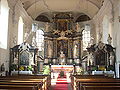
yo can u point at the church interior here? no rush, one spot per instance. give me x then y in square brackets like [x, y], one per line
[59, 44]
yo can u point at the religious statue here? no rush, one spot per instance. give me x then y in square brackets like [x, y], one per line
[101, 45]
[75, 51]
[14, 40]
[90, 59]
[92, 41]
[15, 59]
[26, 35]
[109, 39]
[62, 58]
[47, 27]
[111, 58]
[34, 43]
[77, 27]
[50, 50]
[62, 34]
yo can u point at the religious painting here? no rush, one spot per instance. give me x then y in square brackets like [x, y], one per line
[100, 57]
[24, 58]
[62, 45]
[50, 49]
[62, 25]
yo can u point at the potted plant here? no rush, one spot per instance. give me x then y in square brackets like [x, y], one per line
[13, 67]
[46, 70]
[61, 73]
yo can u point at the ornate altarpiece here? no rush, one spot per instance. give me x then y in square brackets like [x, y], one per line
[101, 57]
[23, 57]
[65, 39]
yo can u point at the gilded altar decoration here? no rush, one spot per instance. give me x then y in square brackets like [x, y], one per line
[63, 40]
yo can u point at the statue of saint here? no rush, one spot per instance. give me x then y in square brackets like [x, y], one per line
[75, 51]
[109, 39]
[62, 58]
[50, 50]
[111, 58]
[47, 27]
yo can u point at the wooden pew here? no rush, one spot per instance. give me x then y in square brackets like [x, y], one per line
[74, 77]
[41, 82]
[100, 86]
[18, 87]
[95, 82]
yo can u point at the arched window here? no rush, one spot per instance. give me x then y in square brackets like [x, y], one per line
[40, 40]
[4, 13]
[105, 28]
[86, 36]
[20, 30]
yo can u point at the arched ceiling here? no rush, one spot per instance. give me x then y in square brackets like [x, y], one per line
[50, 7]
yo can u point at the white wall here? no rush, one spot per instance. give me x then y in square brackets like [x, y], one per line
[116, 33]
[110, 11]
[16, 10]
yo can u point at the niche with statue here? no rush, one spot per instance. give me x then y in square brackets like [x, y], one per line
[23, 57]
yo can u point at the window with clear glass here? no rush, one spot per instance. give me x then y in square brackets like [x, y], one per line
[86, 37]
[40, 41]
[20, 30]
[4, 14]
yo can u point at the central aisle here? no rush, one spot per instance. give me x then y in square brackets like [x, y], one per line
[61, 84]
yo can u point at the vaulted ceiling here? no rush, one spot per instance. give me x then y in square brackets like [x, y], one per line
[50, 7]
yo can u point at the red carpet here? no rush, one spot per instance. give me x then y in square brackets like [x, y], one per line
[61, 84]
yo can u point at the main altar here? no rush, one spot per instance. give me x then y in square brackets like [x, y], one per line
[62, 41]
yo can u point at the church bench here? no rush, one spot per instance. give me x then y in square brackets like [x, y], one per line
[81, 84]
[74, 77]
[80, 81]
[17, 83]
[44, 81]
[99, 86]
[18, 87]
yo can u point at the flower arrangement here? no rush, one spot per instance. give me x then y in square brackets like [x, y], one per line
[46, 70]
[80, 71]
[21, 68]
[29, 68]
[13, 67]
[61, 73]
